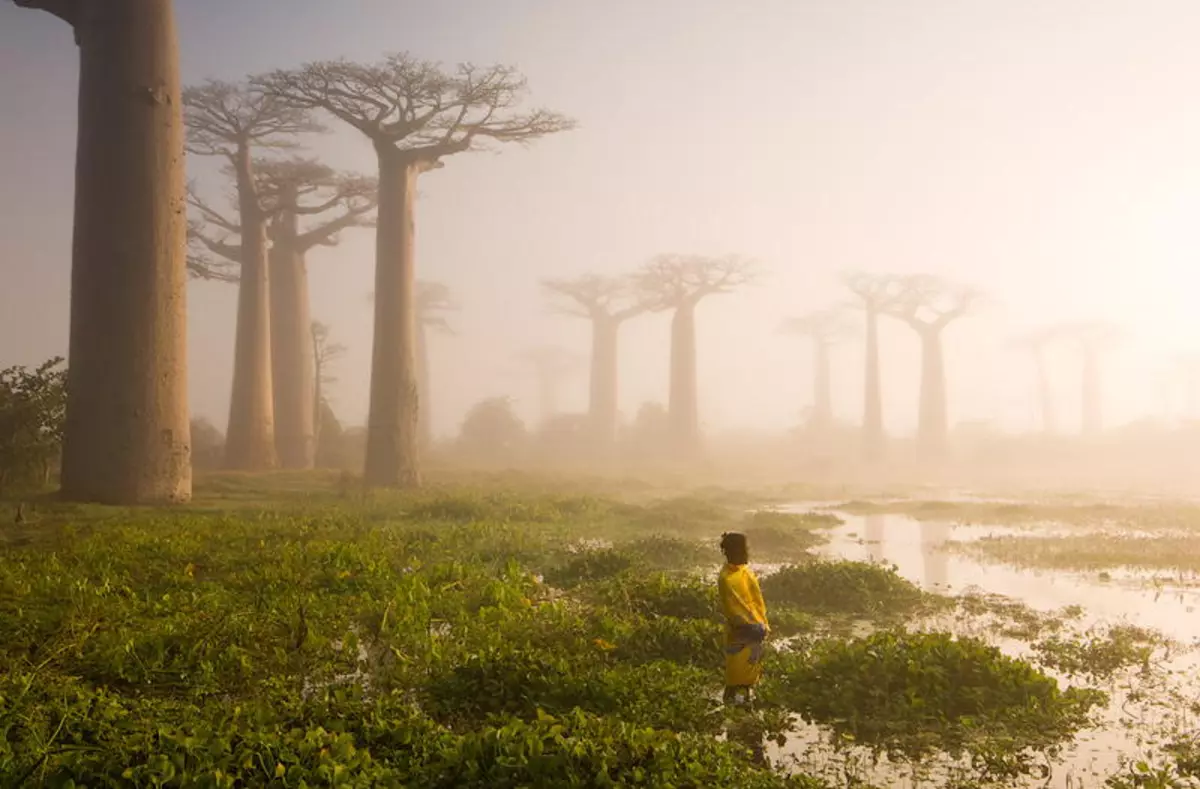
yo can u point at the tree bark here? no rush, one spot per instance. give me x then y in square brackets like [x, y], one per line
[822, 416]
[682, 407]
[392, 447]
[424, 417]
[250, 439]
[1092, 423]
[932, 425]
[127, 435]
[602, 394]
[873, 436]
[291, 349]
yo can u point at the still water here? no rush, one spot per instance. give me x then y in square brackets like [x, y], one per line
[919, 550]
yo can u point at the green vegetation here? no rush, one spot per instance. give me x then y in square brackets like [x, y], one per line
[474, 636]
[908, 695]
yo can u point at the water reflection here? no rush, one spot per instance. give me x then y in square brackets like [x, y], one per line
[873, 536]
[919, 551]
[934, 536]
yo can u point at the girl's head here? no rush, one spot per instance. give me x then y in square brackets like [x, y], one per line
[733, 545]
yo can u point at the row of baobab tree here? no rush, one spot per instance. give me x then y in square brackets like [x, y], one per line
[127, 435]
[926, 304]
[127, 425]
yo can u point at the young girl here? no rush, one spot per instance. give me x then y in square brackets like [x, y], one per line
[746, 625]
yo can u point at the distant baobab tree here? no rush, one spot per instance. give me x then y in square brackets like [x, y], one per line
[324, 354]
[415, 114]
[232, 121]
[329, 202]
[824, 328]
[680, 283]
[607, 302]
[127, 433]
[551, 365]
[1035, 343]
[1092, 338]
[433, 301]
[928, 305]
[310, 206]
[874, 294]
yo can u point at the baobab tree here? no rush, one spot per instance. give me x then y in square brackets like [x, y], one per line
[233, 122]
[1035, 343]
[433, 301]
[680, 283]
[607, 302]
[824, 328]
[874, 295]
[928, 305]
[1092, 338]
[328, 203]
[415, 114]
[324, 354]
[127, 435]
[551, 365]
[202, 265]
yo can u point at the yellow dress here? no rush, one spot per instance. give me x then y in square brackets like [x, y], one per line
[742, 603]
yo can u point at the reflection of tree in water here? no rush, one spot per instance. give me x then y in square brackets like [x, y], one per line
[873, 536]
[934, 535]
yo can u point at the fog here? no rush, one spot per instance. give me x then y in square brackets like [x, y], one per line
[1042, 153]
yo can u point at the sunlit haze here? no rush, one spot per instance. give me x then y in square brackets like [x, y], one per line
[1046, 153]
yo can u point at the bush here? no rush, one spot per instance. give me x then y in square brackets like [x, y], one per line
[844, 587]
[910, 694]
[32, 412]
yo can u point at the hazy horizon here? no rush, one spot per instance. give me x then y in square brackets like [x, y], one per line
[1045, 154]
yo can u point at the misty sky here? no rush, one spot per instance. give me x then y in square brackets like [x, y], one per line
[1047, 152]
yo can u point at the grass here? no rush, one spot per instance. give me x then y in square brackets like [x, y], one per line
[1175, 555]
[487, 631]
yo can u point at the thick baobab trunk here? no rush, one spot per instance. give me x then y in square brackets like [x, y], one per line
[873, 438]
[822, 415]
[602, 394]
[291, 350]
[682, 406]
[250, 439]
[392, 448]
[127, 437]
[1091, 393]
[1045, 396]
[424, 417]
[931, 414]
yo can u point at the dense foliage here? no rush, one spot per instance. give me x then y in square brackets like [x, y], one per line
[457, 638]
[33, 406]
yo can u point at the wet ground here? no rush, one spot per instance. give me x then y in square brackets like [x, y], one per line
[919, 552]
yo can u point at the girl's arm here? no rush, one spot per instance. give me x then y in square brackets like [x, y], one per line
[759, 603]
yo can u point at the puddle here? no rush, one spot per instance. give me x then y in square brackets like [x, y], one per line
[918, 550]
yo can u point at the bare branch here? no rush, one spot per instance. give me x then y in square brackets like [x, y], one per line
[413, 107]
[930, 303]
[596, 297]
[208, 214]
[670, 281]
[824, 326]
[223, 117]
[874, 292]
[200, 264]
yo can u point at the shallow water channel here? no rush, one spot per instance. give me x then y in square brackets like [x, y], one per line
[919, 551]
